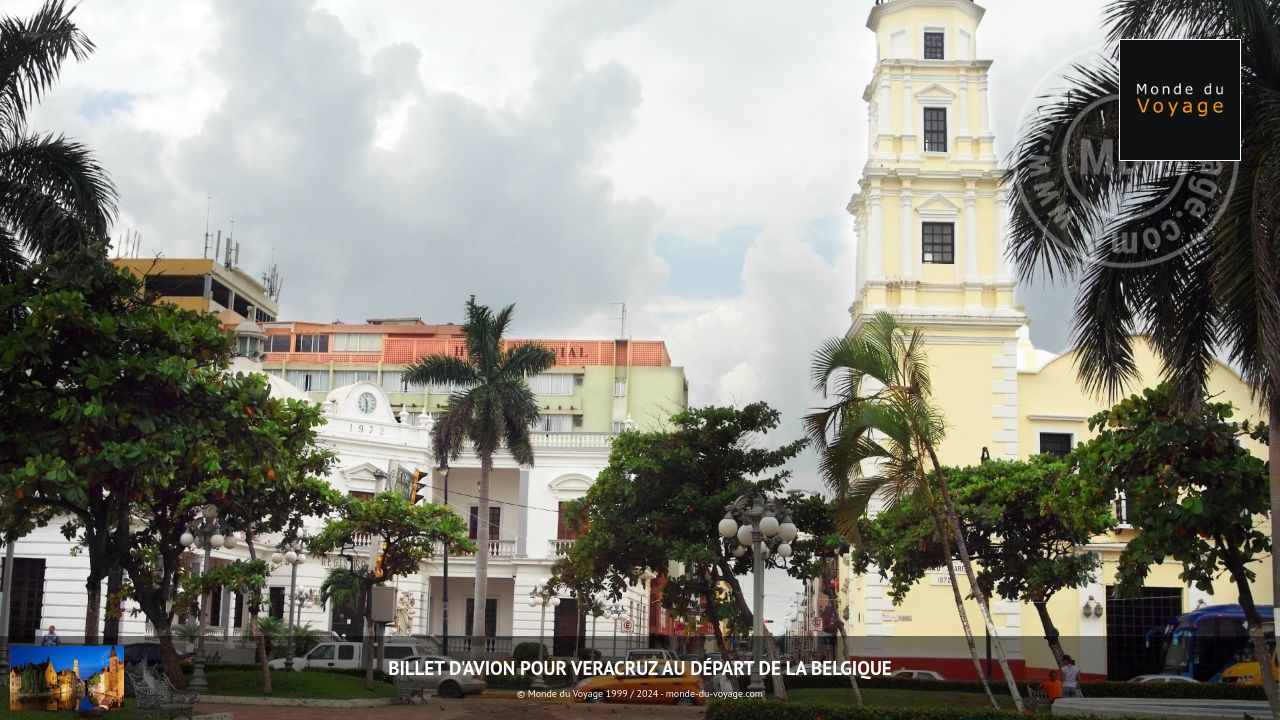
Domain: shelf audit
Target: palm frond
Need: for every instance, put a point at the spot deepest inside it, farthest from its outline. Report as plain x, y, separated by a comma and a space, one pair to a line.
440, 369
32, 51
63, 196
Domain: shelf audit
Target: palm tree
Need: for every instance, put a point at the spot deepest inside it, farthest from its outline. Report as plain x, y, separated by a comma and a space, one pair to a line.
491, 407
53, 194
1215, 287
883, 415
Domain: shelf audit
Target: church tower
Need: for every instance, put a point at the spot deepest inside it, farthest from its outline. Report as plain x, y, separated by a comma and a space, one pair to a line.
930, 217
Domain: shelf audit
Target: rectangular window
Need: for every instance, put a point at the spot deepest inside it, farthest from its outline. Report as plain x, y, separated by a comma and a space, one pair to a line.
357, 342
938, 243
350, 377
933, 46
551, 383
308, 380
1122, 510
495, 522
276, 602
1057, 443
490, 615
311, 343
392, 381
346, 652
620, 387
554, 423
278, 343
935, 129
566, 530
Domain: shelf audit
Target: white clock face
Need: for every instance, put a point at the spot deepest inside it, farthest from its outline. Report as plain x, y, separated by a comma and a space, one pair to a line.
366, 402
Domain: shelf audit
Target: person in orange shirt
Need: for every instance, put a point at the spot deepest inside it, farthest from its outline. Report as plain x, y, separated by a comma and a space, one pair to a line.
1052, 687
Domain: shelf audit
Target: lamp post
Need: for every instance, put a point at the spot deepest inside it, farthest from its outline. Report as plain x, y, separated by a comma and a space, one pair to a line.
615, 612
207, 533
542, 595
765, 527
292, 554
444, 595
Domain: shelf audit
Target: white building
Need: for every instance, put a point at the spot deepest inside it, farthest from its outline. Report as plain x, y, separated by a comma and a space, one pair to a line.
376, 450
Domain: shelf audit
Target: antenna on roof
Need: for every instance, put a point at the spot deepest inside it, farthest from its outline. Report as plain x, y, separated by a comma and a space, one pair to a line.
208, 201
272, 281
622, 332
217, 247
230, 242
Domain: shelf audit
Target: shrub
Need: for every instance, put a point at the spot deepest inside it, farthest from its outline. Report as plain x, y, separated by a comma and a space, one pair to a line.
529, 652
589, 654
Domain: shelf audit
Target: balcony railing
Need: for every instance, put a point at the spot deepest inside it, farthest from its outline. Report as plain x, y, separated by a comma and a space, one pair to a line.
560, 546
572, 440
497, 548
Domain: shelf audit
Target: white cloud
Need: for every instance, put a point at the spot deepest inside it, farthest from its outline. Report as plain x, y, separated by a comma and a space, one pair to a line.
394, 157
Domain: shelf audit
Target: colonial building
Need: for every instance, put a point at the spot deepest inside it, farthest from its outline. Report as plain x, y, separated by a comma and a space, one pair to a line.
929, 215
379, 428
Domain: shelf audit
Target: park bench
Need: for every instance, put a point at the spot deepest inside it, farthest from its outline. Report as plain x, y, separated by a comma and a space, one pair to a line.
157, 698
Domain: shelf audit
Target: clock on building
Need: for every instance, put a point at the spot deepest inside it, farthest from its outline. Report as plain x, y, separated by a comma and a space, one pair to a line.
366, 402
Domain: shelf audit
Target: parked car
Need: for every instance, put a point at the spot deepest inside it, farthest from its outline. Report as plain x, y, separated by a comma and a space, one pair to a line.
149, 653
347, 655
1164, 678
649, 687
906, 674
650, 654
445, 683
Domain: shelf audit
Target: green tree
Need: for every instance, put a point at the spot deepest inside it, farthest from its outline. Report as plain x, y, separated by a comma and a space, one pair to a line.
53, 194
1197, 493
407, 536
491, 407
1024, 523
661, 497
1213, 282
884, 417
271, 479
96, 374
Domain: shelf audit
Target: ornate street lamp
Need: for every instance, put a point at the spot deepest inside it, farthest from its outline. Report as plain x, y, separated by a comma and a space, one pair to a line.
615, 612
762, 527
205, 533
292, 554
542, 594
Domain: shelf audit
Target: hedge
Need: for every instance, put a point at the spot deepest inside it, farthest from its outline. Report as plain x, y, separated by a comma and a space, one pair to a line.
772, 710
1182, 691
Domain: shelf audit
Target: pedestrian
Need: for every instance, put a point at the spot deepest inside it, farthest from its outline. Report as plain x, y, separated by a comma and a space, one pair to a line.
1070, 677
1052, 687
52, 637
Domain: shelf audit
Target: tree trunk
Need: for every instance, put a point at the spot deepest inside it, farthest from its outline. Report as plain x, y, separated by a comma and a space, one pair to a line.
93, 608
964, 614
1260, 650
1273, 464
482, 560
1051, 634
778, 680
9, 542
845, 655
254, 609
945, 538
169, 657
366, 646
111, 628
981, 597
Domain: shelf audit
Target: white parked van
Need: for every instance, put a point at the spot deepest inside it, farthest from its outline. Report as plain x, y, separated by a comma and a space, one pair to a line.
347, 655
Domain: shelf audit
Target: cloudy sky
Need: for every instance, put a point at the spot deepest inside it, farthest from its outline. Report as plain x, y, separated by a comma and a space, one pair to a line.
692, 159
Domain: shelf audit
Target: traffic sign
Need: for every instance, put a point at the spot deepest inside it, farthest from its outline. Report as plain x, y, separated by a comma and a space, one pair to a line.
626, 625
816, 623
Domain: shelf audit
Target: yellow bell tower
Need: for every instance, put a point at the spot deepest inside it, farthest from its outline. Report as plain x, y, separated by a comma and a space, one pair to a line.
929, 216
